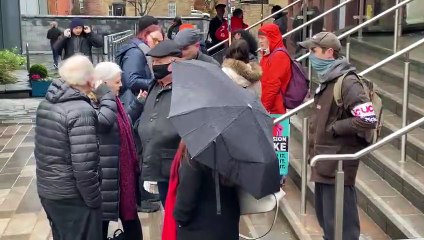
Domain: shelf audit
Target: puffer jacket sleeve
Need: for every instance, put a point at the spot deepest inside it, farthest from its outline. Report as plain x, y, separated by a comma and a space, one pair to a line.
107, 109
85, 156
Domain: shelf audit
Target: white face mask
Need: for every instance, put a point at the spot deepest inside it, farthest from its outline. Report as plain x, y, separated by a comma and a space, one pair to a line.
265, 51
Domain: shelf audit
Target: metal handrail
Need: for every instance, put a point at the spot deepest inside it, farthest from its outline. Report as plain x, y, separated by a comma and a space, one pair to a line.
363, 152
318, 17
366, 23
259, 22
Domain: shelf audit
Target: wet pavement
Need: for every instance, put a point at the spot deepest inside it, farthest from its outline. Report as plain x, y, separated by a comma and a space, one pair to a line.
21, 215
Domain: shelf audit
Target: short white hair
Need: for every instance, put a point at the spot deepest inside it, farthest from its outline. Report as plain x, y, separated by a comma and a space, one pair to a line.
106, 71
77, 70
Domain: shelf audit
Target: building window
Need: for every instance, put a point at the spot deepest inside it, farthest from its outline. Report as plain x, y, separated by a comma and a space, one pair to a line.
110, 10
172, 9
118, 9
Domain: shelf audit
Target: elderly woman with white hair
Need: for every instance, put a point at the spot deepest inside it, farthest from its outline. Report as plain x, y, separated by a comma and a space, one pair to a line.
67, 155
118, 156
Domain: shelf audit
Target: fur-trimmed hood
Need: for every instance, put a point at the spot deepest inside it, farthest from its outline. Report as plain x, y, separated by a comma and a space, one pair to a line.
243, 74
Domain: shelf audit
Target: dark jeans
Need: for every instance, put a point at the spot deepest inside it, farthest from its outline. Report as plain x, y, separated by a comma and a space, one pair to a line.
55, 56
324, 207
132, 229
163, 191
71, 219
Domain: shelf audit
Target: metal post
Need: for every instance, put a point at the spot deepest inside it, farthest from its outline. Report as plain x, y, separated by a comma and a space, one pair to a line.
361, 16
405, 107
305, 130
305, 18
339, 201
348, 48
110, 52
309, 62
396, 30
27, 56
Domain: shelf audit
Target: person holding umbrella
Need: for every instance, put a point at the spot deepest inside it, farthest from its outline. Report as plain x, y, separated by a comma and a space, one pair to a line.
159, 139
227, 146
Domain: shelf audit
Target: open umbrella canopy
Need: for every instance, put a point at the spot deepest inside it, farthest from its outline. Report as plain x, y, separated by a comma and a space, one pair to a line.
224, 126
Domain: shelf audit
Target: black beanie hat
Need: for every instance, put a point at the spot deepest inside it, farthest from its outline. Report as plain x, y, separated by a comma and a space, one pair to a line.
146, 21
76, 22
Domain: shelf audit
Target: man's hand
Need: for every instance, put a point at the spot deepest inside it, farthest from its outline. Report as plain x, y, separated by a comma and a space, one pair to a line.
67, 33
142, 94
87, 29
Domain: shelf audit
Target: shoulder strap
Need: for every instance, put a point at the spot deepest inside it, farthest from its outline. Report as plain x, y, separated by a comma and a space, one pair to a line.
277, 208
338, 90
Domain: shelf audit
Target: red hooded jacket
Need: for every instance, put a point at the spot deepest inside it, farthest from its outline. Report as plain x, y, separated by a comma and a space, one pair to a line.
276, 68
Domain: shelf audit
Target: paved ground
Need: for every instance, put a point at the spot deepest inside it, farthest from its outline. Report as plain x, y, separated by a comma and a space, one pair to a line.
21, 215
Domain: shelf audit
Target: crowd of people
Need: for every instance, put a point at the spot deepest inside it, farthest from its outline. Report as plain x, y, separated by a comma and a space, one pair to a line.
103, 130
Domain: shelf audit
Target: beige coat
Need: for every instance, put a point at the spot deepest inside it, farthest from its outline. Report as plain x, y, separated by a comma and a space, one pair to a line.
244, 75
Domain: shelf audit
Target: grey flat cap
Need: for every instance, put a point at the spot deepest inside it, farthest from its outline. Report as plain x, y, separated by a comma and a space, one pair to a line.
165, 48
187, 37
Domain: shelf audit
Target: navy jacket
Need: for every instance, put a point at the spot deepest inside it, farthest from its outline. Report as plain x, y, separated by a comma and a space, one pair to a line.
136, 73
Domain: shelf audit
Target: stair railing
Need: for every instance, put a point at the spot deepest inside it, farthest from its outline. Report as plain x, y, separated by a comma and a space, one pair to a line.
311, 101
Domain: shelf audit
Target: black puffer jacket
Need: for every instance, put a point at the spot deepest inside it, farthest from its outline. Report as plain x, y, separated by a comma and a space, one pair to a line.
109, 137
66, 146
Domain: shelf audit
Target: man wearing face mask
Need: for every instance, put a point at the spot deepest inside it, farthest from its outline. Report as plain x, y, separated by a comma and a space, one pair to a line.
276, 67
137, 76
337, 130
158, 137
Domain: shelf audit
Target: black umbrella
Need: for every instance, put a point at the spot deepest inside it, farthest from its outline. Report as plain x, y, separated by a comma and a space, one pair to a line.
215, 117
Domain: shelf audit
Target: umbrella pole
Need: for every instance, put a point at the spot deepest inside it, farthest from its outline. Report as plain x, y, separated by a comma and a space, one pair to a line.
217, 188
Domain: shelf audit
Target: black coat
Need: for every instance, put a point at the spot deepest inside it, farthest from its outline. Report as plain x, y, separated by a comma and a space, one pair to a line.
109, 139
66, 146
86, 43
196, 207
159, 139
53, 35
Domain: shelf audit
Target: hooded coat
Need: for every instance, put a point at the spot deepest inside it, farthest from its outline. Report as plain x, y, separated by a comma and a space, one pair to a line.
338, 130
244, 75
276, 67
66, 146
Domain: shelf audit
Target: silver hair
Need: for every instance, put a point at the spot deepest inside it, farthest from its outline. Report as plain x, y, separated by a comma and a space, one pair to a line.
106, 71
54, 24
77, 70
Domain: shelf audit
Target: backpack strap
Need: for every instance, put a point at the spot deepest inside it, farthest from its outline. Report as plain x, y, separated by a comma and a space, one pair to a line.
338, 97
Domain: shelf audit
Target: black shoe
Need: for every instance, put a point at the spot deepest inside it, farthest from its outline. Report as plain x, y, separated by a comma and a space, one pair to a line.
150, 197
148, 207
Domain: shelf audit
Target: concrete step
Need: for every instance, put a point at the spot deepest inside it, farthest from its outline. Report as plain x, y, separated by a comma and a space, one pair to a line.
306, 226
415, 139
369, 45
387, 207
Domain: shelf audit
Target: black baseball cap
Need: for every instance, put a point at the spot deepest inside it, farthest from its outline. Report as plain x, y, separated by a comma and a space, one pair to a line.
165, 48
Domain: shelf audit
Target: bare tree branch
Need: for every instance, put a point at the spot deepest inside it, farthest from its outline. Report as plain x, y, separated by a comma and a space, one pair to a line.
151, 6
